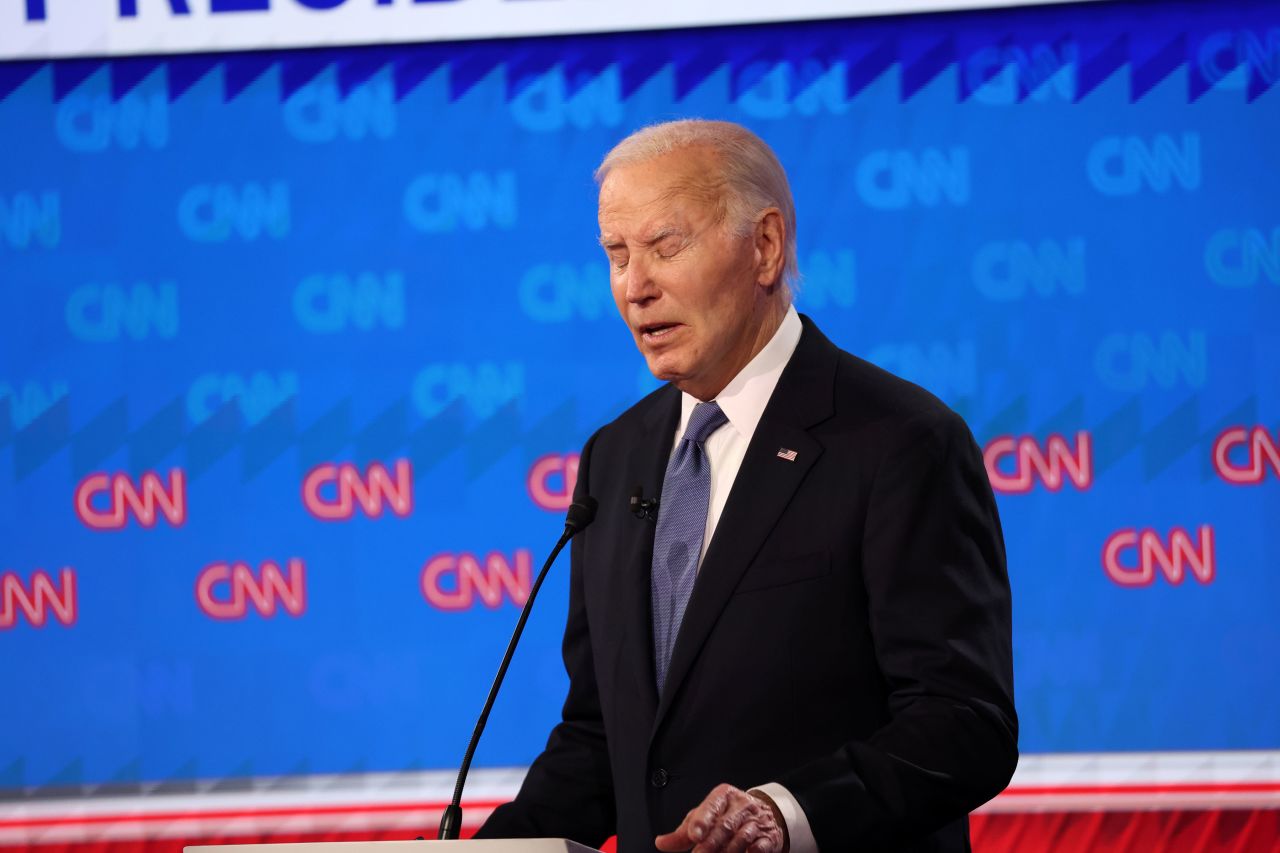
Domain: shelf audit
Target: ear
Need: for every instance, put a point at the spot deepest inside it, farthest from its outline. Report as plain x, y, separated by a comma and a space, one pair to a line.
770, 247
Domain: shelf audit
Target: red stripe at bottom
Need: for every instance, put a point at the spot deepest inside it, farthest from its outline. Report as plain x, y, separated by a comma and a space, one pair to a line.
1209, 831
1205, 831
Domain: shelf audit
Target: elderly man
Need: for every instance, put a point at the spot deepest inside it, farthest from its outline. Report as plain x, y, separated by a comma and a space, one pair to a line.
805, 644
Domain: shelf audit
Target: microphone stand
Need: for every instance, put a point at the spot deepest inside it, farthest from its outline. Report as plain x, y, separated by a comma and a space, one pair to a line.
579, 516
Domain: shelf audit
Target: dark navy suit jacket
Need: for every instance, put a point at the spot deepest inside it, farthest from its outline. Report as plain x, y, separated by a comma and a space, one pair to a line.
848, 635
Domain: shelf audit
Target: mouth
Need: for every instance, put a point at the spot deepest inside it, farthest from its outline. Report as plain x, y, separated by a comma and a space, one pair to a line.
654, 333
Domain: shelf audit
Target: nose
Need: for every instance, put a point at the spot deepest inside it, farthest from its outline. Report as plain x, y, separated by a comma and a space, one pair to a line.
641, 288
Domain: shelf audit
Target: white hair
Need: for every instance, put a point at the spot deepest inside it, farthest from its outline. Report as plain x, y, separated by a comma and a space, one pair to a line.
750, 177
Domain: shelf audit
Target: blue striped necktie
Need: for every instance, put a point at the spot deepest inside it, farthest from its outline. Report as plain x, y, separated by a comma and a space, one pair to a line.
682, 522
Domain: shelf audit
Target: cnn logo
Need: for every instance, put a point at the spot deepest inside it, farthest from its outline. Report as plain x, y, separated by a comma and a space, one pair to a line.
39, 600
1016, 463
227, 591
332, 491
1132, 557
1242, 455
107, 501
551, 479
460, 581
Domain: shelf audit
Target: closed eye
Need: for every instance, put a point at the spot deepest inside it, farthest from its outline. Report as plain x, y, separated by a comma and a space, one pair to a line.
670, 246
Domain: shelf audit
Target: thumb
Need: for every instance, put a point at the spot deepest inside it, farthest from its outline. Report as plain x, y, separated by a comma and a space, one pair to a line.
674, 841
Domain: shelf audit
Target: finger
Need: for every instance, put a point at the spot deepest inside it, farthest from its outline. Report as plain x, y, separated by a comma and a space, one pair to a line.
681, 838
764, 845
747, 834
673, 842
736, 812
702, 820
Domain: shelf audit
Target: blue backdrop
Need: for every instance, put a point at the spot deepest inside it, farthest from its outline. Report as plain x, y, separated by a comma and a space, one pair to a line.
220, 272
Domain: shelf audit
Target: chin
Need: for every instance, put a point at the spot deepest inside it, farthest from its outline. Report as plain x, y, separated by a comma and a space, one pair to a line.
664, 372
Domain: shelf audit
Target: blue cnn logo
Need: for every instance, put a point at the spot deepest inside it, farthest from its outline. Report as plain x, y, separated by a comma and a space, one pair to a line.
949, 370
482, 388
784, 89
30, 400
828, 279
1132, 362
1241, 257
1126, 165
256, 395
893, 180
1011, 74
96, 123
445, 202
214, 213
318, 112
546, 104
326, 304
1007, 270
1227, 57
27, 218
100, 313
558, 293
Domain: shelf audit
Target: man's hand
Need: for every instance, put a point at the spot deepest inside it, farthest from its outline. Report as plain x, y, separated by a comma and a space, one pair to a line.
729, 820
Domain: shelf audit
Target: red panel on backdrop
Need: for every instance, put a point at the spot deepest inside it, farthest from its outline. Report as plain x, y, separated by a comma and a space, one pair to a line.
1239, 831
1236, 831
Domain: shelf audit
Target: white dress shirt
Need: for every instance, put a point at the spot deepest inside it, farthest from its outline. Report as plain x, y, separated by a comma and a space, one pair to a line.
743, 401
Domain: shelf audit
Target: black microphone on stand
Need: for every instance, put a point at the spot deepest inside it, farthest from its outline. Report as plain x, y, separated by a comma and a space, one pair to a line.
579, 516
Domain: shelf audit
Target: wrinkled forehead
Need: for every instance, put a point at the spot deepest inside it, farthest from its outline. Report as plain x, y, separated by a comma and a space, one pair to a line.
682, 182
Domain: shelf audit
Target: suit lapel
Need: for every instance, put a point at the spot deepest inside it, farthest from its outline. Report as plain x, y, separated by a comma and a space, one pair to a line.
761, 492
646, 467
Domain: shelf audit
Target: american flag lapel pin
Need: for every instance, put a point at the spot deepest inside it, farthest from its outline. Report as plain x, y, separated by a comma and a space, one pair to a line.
784, 453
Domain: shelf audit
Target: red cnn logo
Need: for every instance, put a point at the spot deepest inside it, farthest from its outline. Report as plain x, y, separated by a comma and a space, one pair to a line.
371, 492
452, 582
551, 480
124, 497
225, 590
39, 600
1181, 552
1261, 449
1053, 465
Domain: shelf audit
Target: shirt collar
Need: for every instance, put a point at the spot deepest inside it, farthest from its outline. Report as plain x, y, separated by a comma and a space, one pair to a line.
744, 398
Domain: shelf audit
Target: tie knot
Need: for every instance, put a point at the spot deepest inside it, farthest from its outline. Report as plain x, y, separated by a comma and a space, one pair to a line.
706, 419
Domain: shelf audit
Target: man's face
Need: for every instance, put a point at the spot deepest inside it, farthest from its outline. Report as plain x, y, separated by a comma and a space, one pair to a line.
687, 288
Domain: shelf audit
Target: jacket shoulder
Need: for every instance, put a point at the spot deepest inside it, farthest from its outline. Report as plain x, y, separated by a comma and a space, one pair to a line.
879, 400
643, 416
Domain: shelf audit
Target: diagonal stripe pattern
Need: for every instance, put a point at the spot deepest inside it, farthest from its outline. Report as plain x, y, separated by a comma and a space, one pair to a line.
677, 542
